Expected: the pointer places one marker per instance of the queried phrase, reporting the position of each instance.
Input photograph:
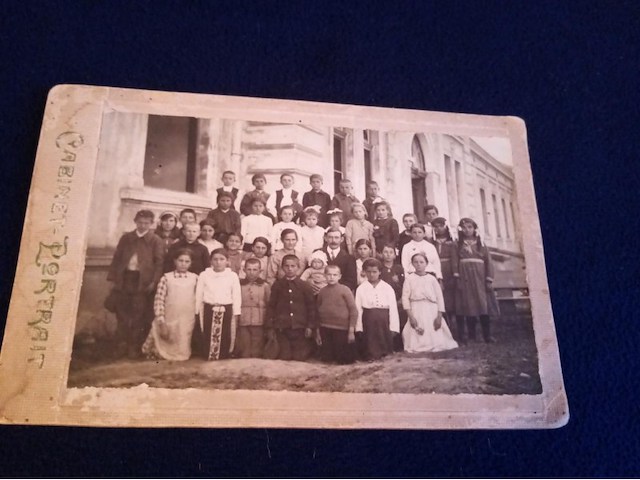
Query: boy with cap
(135, 270)
(168, 230)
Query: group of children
(334, 276)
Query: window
(417, 156)
(460, 204)
(513, 218)
(370, 140)
(338, 160)
(418, 175)
(506, 217)
(170, 155)
(367, 167)
(452, 187)
(485, 219)
(495, 213)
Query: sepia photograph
(340, 266)
(180, 205)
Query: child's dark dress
(394, 276)
(474, 268)
(447, 250)
(385, 231)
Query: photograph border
(33, 373)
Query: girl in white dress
(174, 309)
(424, 303)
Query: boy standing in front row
(255, 296)
(291, 313)
(135, 271)
(338, 315)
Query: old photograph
(241, 254)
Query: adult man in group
(340, 257)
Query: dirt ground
(509, 366)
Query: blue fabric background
(571, 71)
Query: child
(430, 213)
(255, 297)
(225, 219)
(448, 253)
(135, 270)
(187, 216)
(337, 316)
(286, 216)
(174, 309)
(474, 293)
(377, 313)
(228, 179)
(199, 253)
(235, 255)
(419, 244)
(289, 242)
(363, 253)
(256, 224)
(337, 255)
(259, 181)
(168, 230)
(359, 228)
(335, 220)
(422, 300)
(315, 274)
(393, 274)
(408, 220)
(291, 313)
(385, 228)
(207, 234)
(287, 197)
(316, 197)
(311, 235)
(373, 199)
(259, 251)
(344, 200)
(218, 300)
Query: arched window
(417, 156)
(418, 175)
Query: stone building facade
(170, 163)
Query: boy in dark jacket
(291, 313)
(135, 270)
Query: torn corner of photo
(215, 261)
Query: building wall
(454, 170)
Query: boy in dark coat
(317, 197)
(135, 270)
(291, 313)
